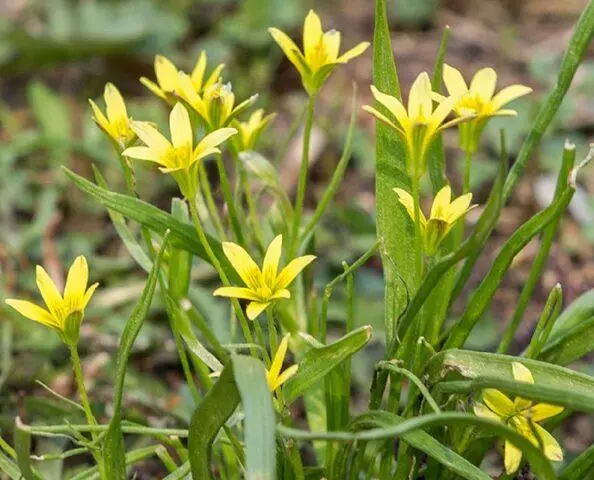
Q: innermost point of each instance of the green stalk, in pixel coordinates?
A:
(262, 342)
(418, 235)
(210, 203)
(467, 169)
(272, 335)
(303, 171)
(228, 197)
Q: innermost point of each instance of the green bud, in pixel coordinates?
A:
(71, 333)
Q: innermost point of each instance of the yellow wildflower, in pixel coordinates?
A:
(117, 123)
(167, 77)
(216, 106)
(444, 215)
(65, 313)
(418, 126)
(262, 286)
(521, 415)
(480, 99)
(250, 131)
(274, 377)
(178, 157)
(320, 52)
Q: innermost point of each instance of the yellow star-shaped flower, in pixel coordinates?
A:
(250, 131)
(320, 53)
(444, 215)
(64, 314)
(116, 124)
(274, 377)
(262, 286)
(479, 100)
(521, 415)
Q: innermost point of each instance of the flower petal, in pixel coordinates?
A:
(454, 81)
(331, 41)
(180, 127)
(379, 116)
(76, 283)
(88, 294)
(483, 84)
(215, 138)
(481, 410)
(353, 52)
(166, 73)
(513, 457)
(114, 103)
(279, 358)
(509, 94)
(521, 373)
(33, 312)
(498, 402)
(153, 87)
(283, 377)
(289, 48)
(283, 293)
(255, 308)
(99, 117)
(49, 292)
(294, 268)
(271, 261)
(407, 200)
(151, 137)
(459, 207)
(142, 153)
(393, 105)
(441, 204)
(420, 104)
(542, 411)
(236, 292)
(312, 34)
(198, 72)
(552, 449)
(243, 264)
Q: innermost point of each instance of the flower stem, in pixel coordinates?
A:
(418, 234)
(467, 168)
(272, 335)
(262, 341)
(303, 171)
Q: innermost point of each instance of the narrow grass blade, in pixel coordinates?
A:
(22, 446)
(579, 468)
(8, 467)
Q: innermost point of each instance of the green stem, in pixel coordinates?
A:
(418, 234)
(262, 342)
(303, 171)
(467, 169)
(228, 197)
(272, 335)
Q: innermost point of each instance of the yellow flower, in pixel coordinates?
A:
(117, 123)
(250, 131)
(480, 99)
(167, 77)
(418, 126)
(320, 52)
(178, 157)
(262, 286)
(216, 106)
(274, 377)
(521, 415)
(444, 215)
(65, 313)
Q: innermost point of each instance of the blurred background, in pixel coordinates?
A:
(55, 54)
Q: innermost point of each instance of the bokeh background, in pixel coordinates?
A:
(54, 54)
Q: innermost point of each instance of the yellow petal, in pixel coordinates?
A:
(509, 94)
(255, 308)
(88, 295)
(522, 404)
(279, 357)
(99, 117)
(542, 411)
(180, 127)
(521, 373)
(459, 207)
(33, 312)
(49, 292)
(383, 119)
(441, 204)
(294, 268)
(498, 402)
(481, 410)
(312, 34)
(283, 377)
(505, 113)
(407, 200)
(166, 73)
(513, 457)
(289, 48)
(483, 84)
(454, 81)
(441, 112)
(243, 264)
(142, 153)
(153, 87)
(394, 106)
(197, 75)
(353, 52)
(216, 138)
(331, 41)
(283, 293)
(271, 261)
(420, 105)
(76, 283)
(236, 292)
(214, 76)
(114, 103)
(552, 449)
(200, 154)
(151, 137)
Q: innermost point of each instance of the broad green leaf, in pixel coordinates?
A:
(113, 447)
(182, 234)
(417, 439)
(579, 468)
(320, 360)
(260, 418)
(218, 405)
(552, 383)
(394, 230)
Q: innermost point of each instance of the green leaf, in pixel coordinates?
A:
(260, 419)
(50, 112)
(552, 383)
(579, 468)
(113, 447)
(320, 360)
(218, 405)
(22, 446)
(180, 261)
(418, 439)
(8, 467)
(394, 230)
(182, 234)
